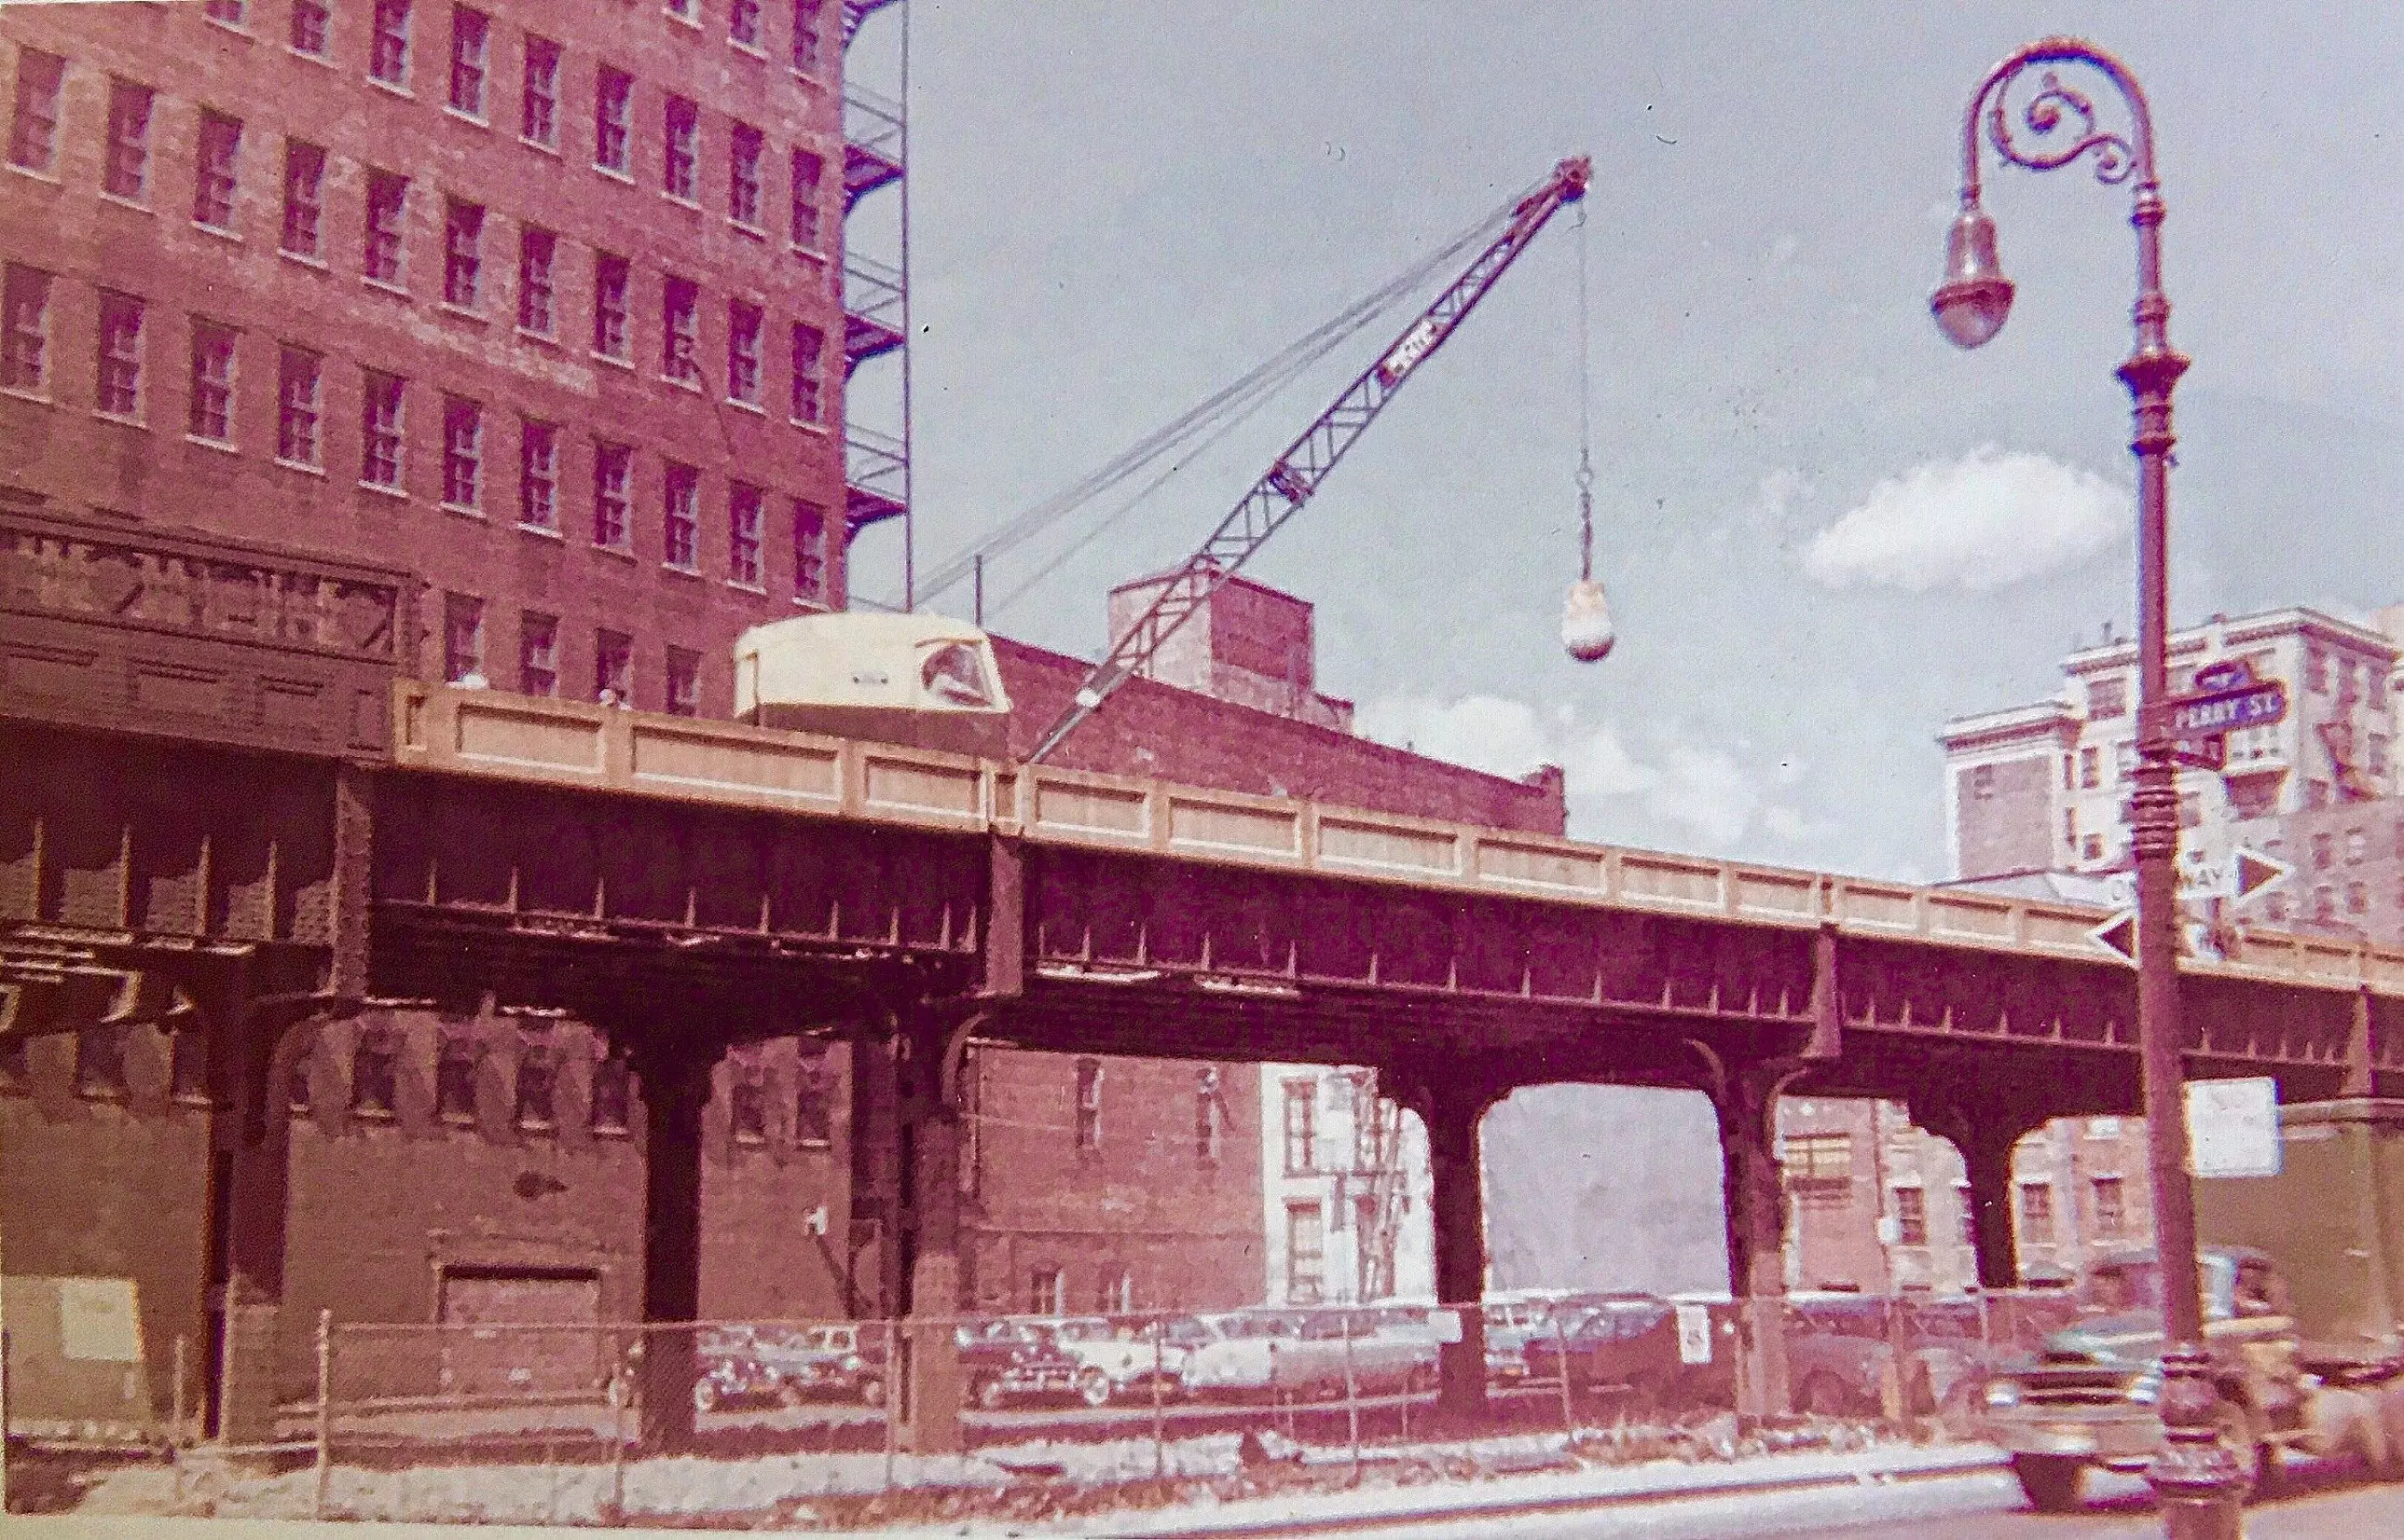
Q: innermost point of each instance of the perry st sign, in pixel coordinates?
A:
(2229, 711)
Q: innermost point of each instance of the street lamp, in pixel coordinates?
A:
(2195, 1477)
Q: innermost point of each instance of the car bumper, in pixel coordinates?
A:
(2105, 1438)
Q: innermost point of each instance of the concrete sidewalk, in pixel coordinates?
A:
(1505, 1496)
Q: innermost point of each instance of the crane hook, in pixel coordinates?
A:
(1586, 620)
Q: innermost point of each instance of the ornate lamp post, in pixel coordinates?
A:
(2195, 1477)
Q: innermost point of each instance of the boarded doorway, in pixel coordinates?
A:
(490, 1355)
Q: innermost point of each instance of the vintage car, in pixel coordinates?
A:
(1117, 1358)
(1007, 1360)
(728, 1368)
(1625, 1347)
(841, 1360)
(1235, 1353)
(1839, 1347)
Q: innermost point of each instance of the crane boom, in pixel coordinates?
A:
(1296, 474)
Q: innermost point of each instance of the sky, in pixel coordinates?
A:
(1823, 529)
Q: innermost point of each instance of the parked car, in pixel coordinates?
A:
(1116, 1358)
(1839, 1347)
(838, 1360)
(1007, 1360)
(1625, 1347)
(729, 1368)
(1236, 1353)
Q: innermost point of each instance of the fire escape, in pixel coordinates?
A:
(876, 289)
(1384, 1197)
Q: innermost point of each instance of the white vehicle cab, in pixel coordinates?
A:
(926, 680)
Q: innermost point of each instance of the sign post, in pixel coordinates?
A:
(2233, 1126)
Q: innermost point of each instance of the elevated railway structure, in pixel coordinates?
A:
(200, 825)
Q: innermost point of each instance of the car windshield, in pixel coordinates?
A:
(1081, 1331)
(2133, 1285)
(1258, 1325)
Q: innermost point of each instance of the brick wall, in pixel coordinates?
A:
(153, 463)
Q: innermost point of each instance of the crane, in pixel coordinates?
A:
(1293, 476)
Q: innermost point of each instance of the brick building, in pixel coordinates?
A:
(2045, 787)
(537, 301)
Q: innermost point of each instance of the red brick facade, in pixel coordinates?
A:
(229, 299)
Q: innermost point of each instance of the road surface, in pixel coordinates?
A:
(2321, 1501)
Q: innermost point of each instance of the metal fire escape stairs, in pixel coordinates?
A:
(1295, 475)
(875, 291)
(1378, 1141)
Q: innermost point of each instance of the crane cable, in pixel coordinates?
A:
(1208, 422)
(1586, 415)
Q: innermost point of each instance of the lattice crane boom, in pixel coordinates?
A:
(1293, 478)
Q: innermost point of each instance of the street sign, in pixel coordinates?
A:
(2119, 936)
(2250, 872)
(2230, 675)
(2233, 1126)
(2228, 710)
(2210, 753)
(1693, 1334)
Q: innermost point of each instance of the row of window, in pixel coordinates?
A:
(127, 170)
(542, 668)
(211, 415)
(1300, 1125)
(392, 36)
(466, 285)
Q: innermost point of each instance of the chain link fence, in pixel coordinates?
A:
(808, 1421)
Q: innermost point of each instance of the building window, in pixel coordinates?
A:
(808, 171)
(743, 503)
(2106, 699)
(1912, 1216)
(2325, 902)
(1208, 1116)
(2324, 851)
(611, 307)
(684, 10)
(2111, 1211)
(463, 453)
(2091, 848)
(614, 116)
(119, 373)
(743, 24)
(469, 32)
(2316, 793)
(1089, 1105)
(680, 518)
(612, 1094)
(614, 668)
(127, 169)
(808, 19)
(537, 1079)
(387, 211)
(613, 496)
(34, 129)
(809, 372)
(2070, 827)
(454, 1078)
(538, 654)
(2036, 1213)
(2375, 759)
(298, 373)
(680, 331)
(463, 640)
(810, 555)
(463, 253)
(2090, 772)
(304, 181)
(216, 164)
(25, 330)
(681, 149)
(745, 150)
(813, 1101)
(684, 682)
(226, 11)
(1306, 1248)
(743, 329)
(1967, 1208)
(1301, 1126)
(539, 102)
(388, 45)
(2358, 845)
(2358, 899)
(2190, 811)
(1047, 1291)
(296, 1086)
(375, 1064)
(537, 251)
(2316, 671)
(747, 1106)
(538, 474)
(1818, 1159)
(308, 29)
(211, 413)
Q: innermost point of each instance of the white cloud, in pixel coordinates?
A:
(1985, 521)
(1685, 792)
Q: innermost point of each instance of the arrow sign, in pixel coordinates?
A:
(2119, 936)
(2208, 753)
(2250, 872)
(2231, 675)
(2226, 711)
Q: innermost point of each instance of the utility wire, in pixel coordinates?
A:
(1210, 420)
